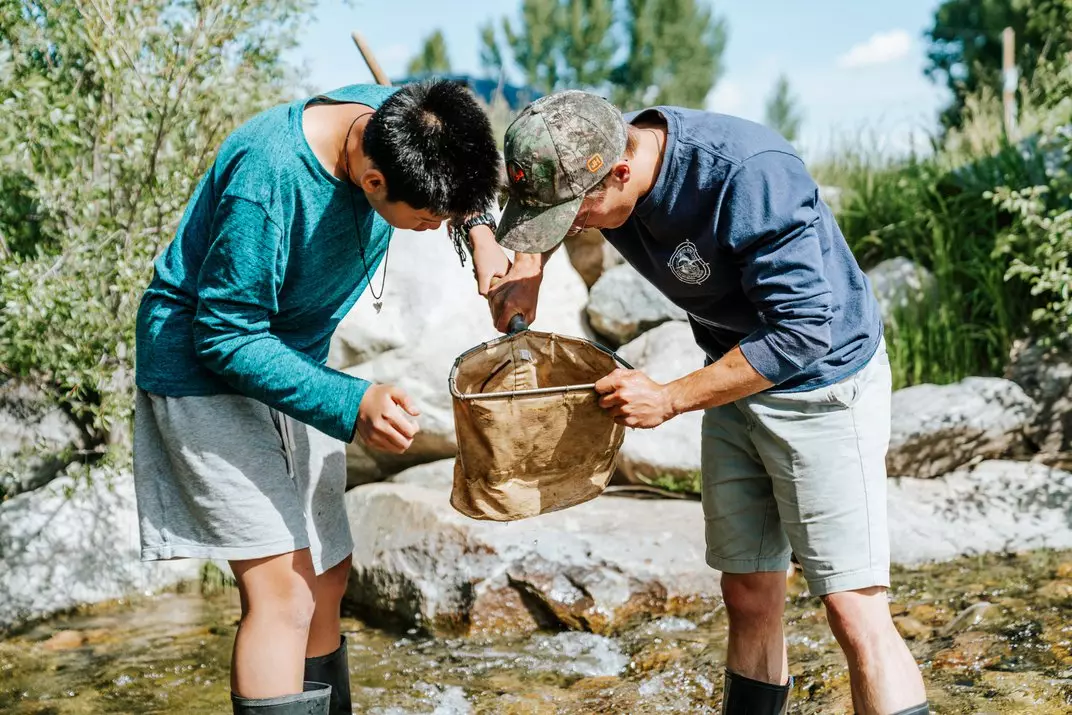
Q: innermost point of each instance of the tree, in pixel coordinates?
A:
(433, 57)
(673, 48)
(674, 53)
(966, 47)
(111, 111)
(783, 114)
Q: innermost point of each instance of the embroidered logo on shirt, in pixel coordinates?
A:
(688, 266)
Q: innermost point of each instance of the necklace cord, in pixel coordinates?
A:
(353, 209)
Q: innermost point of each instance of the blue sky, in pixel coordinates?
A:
(855, 65)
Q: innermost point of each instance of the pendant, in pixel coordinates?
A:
(378, 305)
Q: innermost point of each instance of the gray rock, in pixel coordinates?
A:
(670, 453)
(431, 314)
(37, 439)
(937, 429)
(623, 305)
(419, 562)
(1046, 376)
(75, 542)
(997, 506)
(901, 285)
(434, 475)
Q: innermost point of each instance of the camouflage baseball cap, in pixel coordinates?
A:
(558, 148)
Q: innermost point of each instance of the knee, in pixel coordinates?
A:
(859, 618)
(754, 597)
(286, 599)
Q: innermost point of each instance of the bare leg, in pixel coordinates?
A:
(277, 607)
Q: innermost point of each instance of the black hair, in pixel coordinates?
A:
(434, 145)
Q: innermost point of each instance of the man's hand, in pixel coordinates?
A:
(518, 292)
(634, 399)
(382, 421)
(489, 259)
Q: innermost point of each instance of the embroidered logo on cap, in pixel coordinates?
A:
(595, 163)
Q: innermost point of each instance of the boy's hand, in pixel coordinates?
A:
(382, 421)
(489, 259)
(518, 292)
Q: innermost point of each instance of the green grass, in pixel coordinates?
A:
(934, 210)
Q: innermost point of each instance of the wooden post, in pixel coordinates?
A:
(370, 60)
(1010, 78)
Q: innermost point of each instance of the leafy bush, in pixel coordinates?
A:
(110, 111)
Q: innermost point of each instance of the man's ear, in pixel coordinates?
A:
(622, 172)
(374, 183)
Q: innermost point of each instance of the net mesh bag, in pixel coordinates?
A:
(532, 437)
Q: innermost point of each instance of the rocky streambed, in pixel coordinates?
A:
(993, 634)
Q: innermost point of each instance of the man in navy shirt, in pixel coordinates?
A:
(722, 216)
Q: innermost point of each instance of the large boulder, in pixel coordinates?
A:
(75, 541)
(1046, 376)
(937, 429)
(997, 506)
(418, 562)
(902, 286)
(668, 455)
(432, 313)
(623, 304)
(37, 439)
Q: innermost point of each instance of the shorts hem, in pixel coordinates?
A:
(166, 552)
(852, 581)
(743, 566)
(328, 562)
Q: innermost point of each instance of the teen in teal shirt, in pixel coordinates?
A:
(280, 238)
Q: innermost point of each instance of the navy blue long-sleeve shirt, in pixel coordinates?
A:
(734, 232)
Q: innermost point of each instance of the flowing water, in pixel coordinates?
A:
(993, 635)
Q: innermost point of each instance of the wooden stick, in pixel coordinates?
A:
(1009, 78)
(370, 60)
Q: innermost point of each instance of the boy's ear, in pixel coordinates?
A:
(622, 171)
(374, 183)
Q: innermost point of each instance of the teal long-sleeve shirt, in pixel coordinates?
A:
(265, 263)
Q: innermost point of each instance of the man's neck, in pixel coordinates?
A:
(648, 160)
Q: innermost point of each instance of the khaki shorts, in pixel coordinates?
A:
(802, 473)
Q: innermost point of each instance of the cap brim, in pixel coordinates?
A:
(536, 229)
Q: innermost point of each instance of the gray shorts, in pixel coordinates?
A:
(226, 477)
(803, 473)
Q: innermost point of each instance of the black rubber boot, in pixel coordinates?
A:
(921, 709)
(333, 669)
(313, 701)
(744, 696)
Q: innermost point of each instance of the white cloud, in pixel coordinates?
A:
(727, 98)
(881, 48)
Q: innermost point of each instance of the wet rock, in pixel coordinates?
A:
(902, 288)
(431, 314)
(936, 429)
(75, 542)
(912, 629)
(1046, 376)
(419, 562)
(670, 453)
(974, 650)
(998, 506)
(65, 640)
(623, 305)
(970, 618)
(1064, 571)
(1056, 591)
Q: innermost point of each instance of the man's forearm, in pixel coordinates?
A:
(728, 380)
